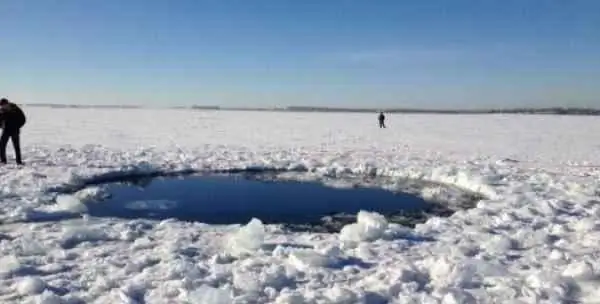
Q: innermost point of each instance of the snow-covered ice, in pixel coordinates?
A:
(534, 239)
(368, 227)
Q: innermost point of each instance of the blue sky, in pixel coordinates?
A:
(346, 53)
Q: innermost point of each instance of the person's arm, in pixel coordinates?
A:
(2, 118)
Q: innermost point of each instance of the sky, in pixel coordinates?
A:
(337, 53)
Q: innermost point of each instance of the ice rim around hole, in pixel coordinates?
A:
(442, 199)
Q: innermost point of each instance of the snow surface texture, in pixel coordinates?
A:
(534, 240)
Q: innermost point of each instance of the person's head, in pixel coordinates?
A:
(4, 102)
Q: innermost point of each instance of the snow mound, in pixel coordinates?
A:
(248, 239)
(31, 286)
(369, 226)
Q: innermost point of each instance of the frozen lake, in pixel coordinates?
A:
(532, 239)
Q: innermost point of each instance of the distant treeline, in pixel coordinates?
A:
(554, 111)
(74, 106)
(548, 111)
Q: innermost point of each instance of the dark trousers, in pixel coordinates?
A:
(14, 135)
(381, 124)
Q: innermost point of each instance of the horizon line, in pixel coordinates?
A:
(489, 110)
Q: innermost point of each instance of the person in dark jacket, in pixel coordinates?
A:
(381, 120)
(12, 119)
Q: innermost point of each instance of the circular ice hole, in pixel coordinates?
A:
(237, 198)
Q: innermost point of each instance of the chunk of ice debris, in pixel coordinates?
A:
(209, 295)
(457, 296)
(90, 194)
(29, 246)
(131, 293)
(498, 244)
(369, 226)
(151, 205)
(586, 225)
(579, 270)
(306, 258)
(31, 286)
(75, 235)
(447, 272)
(330, 250)
(246, 281)
(49, 298)
(8, 265)
(69, 203)
(339, 294)
(247, 239)
(291, 298)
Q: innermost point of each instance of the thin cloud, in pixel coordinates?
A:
(398, 56)
(415, 56)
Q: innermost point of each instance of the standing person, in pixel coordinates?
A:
(12, 119)
(381, 120)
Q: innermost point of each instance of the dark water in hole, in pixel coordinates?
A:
(235, 199)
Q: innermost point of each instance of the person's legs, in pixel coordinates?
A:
(3, 142)
(16, 141)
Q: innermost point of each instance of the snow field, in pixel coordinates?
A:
(533, 240)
